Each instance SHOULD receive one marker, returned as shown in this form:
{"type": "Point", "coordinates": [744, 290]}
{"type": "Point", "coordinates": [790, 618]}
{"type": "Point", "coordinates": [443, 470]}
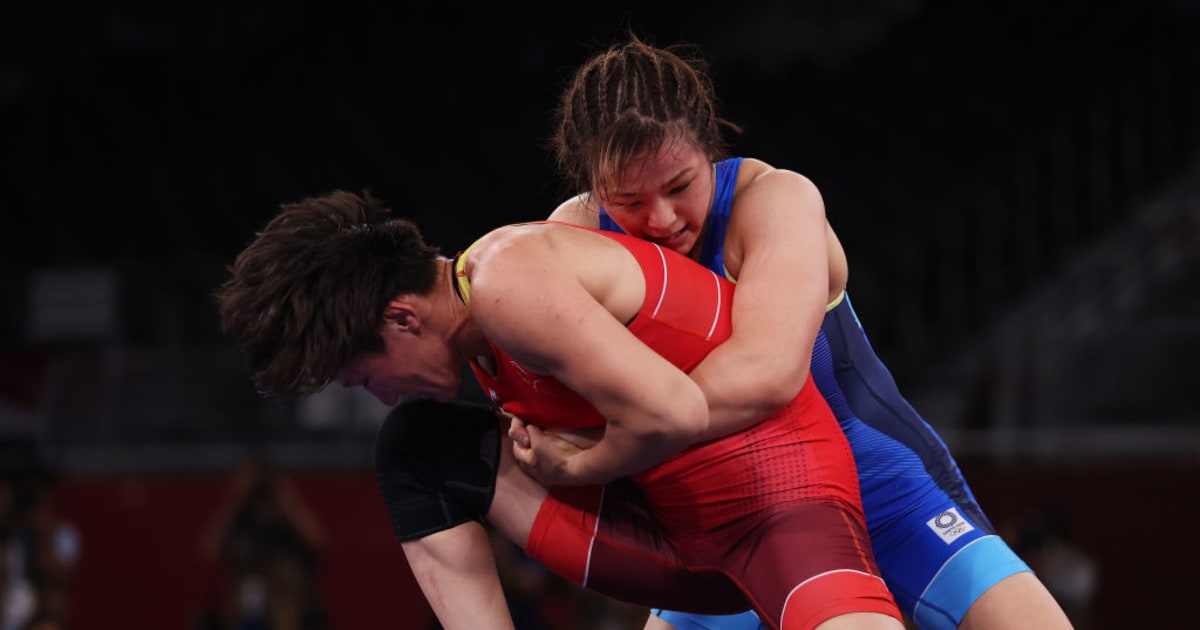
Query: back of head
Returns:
{"type": "Point", "coordinates": [631, 100]}
{"type": "Point", "coordinates": [308, 293]}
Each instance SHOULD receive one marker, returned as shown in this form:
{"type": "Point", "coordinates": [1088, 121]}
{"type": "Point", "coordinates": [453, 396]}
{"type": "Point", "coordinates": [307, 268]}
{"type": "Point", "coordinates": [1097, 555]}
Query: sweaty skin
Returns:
{"type": "Point", "coordinates": [746, 378]}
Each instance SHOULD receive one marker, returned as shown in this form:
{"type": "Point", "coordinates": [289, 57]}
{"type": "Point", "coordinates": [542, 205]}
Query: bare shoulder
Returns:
{"type": "Point", "coordinates": [525, 248]}
{"type": "Point", "coordinates": [506, 243]}
{"type": "Point", "coordinates": [758, 180]}
{"type": "Point", "coordinates": [539, 271]}
{"type": "Point", "coordinates": [754, 170]}
{"type": "Point", "coordinates": [579, 210]}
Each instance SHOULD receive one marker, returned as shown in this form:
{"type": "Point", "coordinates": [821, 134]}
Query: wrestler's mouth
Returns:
{"type": "Point", "coordinates": [674, 241]}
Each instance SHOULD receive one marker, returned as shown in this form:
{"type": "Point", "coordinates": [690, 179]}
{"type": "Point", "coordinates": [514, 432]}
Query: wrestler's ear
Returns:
{"type": "Point", "coordinates": [400, 315]}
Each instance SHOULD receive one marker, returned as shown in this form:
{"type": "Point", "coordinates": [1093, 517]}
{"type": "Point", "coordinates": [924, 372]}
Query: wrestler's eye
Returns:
{"type": "Point", "coordinates": [679, 189]}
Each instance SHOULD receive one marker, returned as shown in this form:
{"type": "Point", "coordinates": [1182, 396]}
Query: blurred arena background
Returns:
{"type": "Point", "coordinates": [1017, 187]}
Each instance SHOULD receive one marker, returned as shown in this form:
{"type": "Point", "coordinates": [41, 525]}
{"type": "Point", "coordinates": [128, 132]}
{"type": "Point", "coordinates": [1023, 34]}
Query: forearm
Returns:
{"type": "Point", "coordinates": [645, 432]}
{"type": "Point", "coordinates": [623, 453]}
{"type": "Point", "coordinates": [457, 573]}
{"type": "Point", "coordinates": [635, 439]}
{"type": "Point", "coordinates": [743, 389]}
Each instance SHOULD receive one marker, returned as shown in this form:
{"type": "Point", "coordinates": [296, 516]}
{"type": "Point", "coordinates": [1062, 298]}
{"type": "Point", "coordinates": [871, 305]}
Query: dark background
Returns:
{"type": "Point", "coordinates": [1016, 186]}
{"type": "Point", "coordinates": [154, 138]}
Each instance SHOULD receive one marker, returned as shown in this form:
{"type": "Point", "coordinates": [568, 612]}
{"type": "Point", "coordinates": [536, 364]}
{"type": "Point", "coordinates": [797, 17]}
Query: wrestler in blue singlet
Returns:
{"type": "Point", "coordinates": [937, 551]}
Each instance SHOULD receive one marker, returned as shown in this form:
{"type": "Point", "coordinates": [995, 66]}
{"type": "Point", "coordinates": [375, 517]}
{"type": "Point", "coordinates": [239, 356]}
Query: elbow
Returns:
{"type": "Point", "coordinates": [779, 394]}
{"type": "Point", "coordinates": [777, 379]}
{"type": "Point", "coordinates": [682, 420]}
{"type": "Point", "coordinates": [784, 385]}
{"type": "Point", "coordinates": [689, 419]}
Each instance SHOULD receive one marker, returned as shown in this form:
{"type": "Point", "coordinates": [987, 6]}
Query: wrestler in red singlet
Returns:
{"type": "Point", "coordinates": [775, 508]}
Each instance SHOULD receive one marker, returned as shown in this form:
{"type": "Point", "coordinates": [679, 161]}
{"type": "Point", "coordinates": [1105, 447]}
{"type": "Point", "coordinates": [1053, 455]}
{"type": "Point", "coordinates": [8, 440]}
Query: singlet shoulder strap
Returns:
{"type": "Point", "coordinates": [461, 284]}
{"type": "Point", "coordinates": [841, 296]}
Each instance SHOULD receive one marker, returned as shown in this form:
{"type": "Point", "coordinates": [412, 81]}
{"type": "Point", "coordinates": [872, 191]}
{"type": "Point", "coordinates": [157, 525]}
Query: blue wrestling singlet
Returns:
{"type": "Point", "coordinates": [937, 550]}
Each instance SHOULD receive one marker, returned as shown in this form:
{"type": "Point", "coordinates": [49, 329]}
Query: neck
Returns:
{"type": "Point", "coordinates": [464, 335]}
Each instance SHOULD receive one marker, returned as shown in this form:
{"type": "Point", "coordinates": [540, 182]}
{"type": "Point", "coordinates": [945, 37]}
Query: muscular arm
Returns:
{"type": "Point", "coordinates": [457, 573]}
{"type": "Point", "coordinates": [779, 232]}
{"type": "Point", "coordinates": [537, 310]}
{"type": "Point", "coordinates": [779, 228]}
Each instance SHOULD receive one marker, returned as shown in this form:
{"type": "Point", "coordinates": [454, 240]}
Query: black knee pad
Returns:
{"type": "Point", "coordinates": [435, 465]}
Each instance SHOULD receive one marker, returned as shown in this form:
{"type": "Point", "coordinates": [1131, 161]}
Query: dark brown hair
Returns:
{"type": "Point", "coordinates": [308, 293]}
{"type": "Point", "coordinates": [630, 100]}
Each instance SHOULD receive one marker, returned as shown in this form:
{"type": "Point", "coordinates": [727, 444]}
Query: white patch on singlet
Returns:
{"type": "Point", "coordinates": [949, 525]}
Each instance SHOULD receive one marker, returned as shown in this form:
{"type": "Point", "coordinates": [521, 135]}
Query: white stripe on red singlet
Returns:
{"type": "Point", "coordinates": [587, 567]}
{"type": "Point", "coordinates": [788, 599]}
{"type": "Point", "coordinates": [662, 294]}
{"type": "Point", "coordinates": [717, 314]}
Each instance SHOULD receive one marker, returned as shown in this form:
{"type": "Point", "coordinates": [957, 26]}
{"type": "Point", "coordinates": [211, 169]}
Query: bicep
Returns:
{"type": "Point", "coordinates": [456, 571]}
{"type": "Point", "coordinates": [783, 280]}
{"type": "Point", "coordinates": [463, 550]}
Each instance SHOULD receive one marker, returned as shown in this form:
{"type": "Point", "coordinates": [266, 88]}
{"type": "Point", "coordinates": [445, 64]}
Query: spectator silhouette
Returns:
{"type": "Point", "coordinates": [38, 552]}
{"type": "Point", "coordinates": [266, 544]}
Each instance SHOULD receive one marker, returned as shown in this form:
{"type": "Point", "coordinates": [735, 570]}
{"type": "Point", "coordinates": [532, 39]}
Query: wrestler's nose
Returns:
{"type": "Point", "coordinates": [660, 216]}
